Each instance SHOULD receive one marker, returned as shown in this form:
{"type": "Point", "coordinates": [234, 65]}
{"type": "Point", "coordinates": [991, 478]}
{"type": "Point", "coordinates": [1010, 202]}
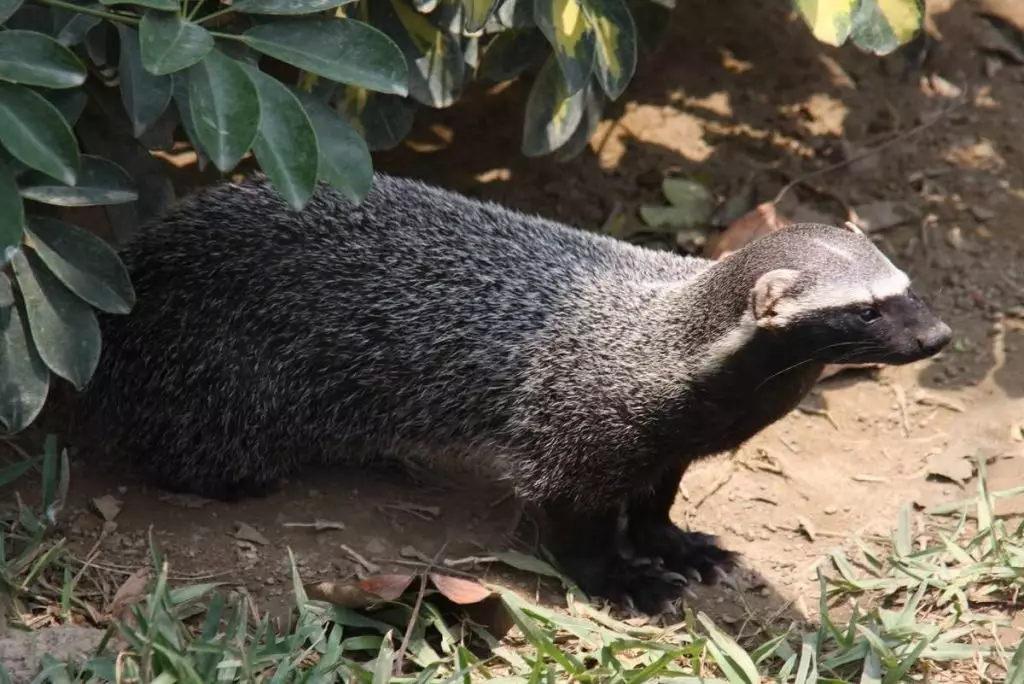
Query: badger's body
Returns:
{"type": "Point", "coordinates": [588, 371]}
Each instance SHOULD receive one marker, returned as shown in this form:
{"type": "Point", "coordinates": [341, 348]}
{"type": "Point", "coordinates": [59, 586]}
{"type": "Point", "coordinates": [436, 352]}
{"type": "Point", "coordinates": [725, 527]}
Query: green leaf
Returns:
{"type": "Point", "coordinates": [85, 263]}
{"type": "Point", "coordinates": [342, 50]}
{"type": "Point", "coordinates": [100, 182]}
{"type": "Point", "coordinates": [615, 34]}
{"type": "Point", "coordinates": [593, 108]}
{"type": "Point", "coordinates": [286, 145]}
{"type": "Point", "coordinates": [7, 8]}
{"type": "Point", "coordinates": [288, 6]}
{"type": "Point", "coordinates": [12, 213]}
{"type": "Point", "coordinates": [70, 103]}
{"type": "Point", "coordinates": [33, 58]}
{"type": "Point", "coordinates": [24, 379]}
{"type": "Point", "coordinates": [475, 14]}
{"type": "Point", "coordinates": [383, 120]}
{"type": "Point", "coordinates": [70, 28]}
{"type": "Point", "coordinates": [225, 108]}
{"type": "Point", "coordinates": [168, 43]}
{"type": "Point", "coordinates": [567, 28]}
{"type": "Point", "coordinates": [64, 328]}
{"type": "Point", "coordinates": [181, 101]}
{"type": "Point", "coordinates": [881, 26]}
{"type": "Point", "coordinates": [145, 96]}
{"type": "Point", "coordinates": [345, 161]}
{"type": "Point", "coordinates": [167, 5]}
{"type": "Point", "coordinates": [437, 69]}
{"type": "Point", "coordinates": [878, 26]}
{"type": "Point", "coordinates": [510, 53]}
{"type": "Point", "coordinates": [829, 20]}
{"type": "Point", "coordinates": [36, 134]}
{"type": "Point", "coordinates": [552, 112]}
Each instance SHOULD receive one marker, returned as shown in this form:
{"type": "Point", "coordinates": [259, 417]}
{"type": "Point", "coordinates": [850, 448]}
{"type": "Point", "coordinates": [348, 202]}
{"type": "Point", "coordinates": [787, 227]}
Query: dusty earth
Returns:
{"type": "Point", "coordinates": [738, 87]}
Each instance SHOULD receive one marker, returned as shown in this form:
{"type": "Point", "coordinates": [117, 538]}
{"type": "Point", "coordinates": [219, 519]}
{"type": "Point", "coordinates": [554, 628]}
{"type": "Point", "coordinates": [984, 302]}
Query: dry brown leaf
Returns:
{"type": "Point", "coordinates": [388, 587]}
{"type": "Point", "coordinates": [107, 506]}
{"type": "Point", "coordinates": [761, 220]}
{"type": "Point", "coordinates": [344, 594]}
{"type": "Point", "coordinates": [248, 533]}
{"type": "Point", "coordinates": [132, 591]}
{"type": "Point", "coordinates": [458, 590]}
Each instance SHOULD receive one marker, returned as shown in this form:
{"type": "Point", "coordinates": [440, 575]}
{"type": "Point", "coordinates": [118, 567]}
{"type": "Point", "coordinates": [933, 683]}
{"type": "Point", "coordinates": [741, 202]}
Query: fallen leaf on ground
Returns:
{"type": "Point", "coordinates": [761, 220]}
{"type": "Point", "coordinates": [132, 591]}
{"type": "Point", "coordinates": [248, 533]}
{"type": "Point", "coordinates": [459, 590]}
{"type": "Point", "coordinates": [107, 506]}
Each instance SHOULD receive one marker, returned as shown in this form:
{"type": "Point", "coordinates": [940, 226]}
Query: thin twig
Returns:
{"type": "Point", "coordinates": [400, 656]}
{"type": "Point", "coordinates": [898, 138]}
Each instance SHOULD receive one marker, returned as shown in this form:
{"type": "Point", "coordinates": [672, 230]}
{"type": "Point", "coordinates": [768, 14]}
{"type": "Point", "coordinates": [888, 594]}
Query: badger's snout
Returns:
{"type": "Point", "coordinates": [934, 338]}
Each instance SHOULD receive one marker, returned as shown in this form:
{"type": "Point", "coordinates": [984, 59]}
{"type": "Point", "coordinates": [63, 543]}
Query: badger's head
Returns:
{"type": "Point", "coordinates": [832, 294]}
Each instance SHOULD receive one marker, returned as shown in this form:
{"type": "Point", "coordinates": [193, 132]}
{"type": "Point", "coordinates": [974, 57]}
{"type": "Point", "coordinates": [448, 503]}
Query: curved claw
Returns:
{"type": "Point", "coordinates": [725, 578]}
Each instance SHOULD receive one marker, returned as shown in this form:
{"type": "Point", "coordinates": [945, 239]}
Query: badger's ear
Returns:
{"type": "Point", "coordinates": [770, 289]}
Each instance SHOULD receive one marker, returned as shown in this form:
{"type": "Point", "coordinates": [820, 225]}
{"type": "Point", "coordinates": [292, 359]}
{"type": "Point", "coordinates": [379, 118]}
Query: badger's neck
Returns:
{"type": "Point", "coordinates": [733, 379]}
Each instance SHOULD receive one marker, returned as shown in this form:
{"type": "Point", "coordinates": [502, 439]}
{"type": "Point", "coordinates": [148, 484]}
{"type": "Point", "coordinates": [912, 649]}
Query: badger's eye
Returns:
{"type": "Point", "coordinates": [868, 314]}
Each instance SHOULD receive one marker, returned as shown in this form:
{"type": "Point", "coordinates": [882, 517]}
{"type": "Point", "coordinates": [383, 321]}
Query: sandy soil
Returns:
{"type": "Point", "coordinates": [738, 85]}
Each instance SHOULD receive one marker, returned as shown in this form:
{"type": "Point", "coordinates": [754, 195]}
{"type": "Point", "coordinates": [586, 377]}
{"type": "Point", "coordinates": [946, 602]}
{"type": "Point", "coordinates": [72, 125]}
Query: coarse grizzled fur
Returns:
{"type": "Point", "coordinates": [587, 371]}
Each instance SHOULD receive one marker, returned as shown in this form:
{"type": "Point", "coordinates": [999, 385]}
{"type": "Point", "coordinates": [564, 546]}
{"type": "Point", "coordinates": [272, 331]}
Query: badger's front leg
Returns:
{"type": "Point", "coordinates": [651, 532]}
{"type": "Point", "coordinates": [585, 544]}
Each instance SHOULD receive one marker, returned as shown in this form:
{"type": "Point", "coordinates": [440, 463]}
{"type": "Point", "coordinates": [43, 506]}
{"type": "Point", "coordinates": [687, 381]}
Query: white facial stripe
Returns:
{"type": "Point", "coordinates": [837, 295]}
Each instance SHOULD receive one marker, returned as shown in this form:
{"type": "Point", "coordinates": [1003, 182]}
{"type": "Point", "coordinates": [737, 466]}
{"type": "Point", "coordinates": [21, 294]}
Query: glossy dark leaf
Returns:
{"type": "Point", "coordinates": [64, 327]}
{"type": "Point", "coordinates": [70, 28]}
{"type": "Point", "coordinates": [167, 5]}
{"type": "Point", "coordinates": [509, 53]}
{"type": "Point", "coordinates": [593, 107]}
{"type": "Point", "coordinates": [287, 6]}
{"type": "Point", "coordinates": [285, 146]}
{"type": "Point", "coordinates": [12, 213]}
{"type": "Point", "coordinates": [383, 120]}
{"type": "Point", "coordinates": [512, 14]}
{"type": "Point", "coordinates": [880, 27]}
{"type": "Point", "coordinates": [185, 112]}
{"type": "Point", "coordinates": [24, 378]}
{"type": "Point", "coordinates": [342, 50]}
{"type": "Point", "coordinates": [552, 112]}
{"type": "Point", "coordinates": [100, 182]}
{"type": "Point", "coordinates": [565, 25]}
{"type": "Point", "coordinates": [615, 44]}
{"type": "Point", "coordinates": [85, 263]}
{"type": "Point", "coordinates": [437, 70]}
{"type": "Point", "coordinates": [6, 293]}
{"type": "Point", "coordinates": [7, 8]}
{"type": "Point", "coordinates": [32, 58]}
{"type": "Point", "coordinates": [144, 95]}
{"type": "Point", "coordinates": [168, 43]}
{"type": "Point", "coordinates": [475, 14]}
{"type": "Point", "coordinates": [345, 161]}
{"type": "Point", "coordinates": [70, 103]}
{"type": "Point", "coordinates": [35, 133]}
{"type": "Point", "coordinates": [225, 108]}
{"type": "Point", "coordinates": [96, 44]}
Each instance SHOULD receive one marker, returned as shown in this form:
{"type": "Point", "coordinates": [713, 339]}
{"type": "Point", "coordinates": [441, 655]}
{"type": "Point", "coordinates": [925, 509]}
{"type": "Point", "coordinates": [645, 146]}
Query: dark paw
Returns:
{"type": "Point", "coordinates": [640, 583]}
{"type": "Point", "coordinates": [694, 555]}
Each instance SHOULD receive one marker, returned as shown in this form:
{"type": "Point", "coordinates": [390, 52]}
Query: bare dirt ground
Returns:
{"type": "Point", "coordinates": [738, 85]}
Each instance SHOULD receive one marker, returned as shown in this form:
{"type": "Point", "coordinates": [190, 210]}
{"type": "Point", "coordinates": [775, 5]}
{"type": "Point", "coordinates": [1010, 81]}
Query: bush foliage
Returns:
{"type": "Point", "coordinates": [309, 87]}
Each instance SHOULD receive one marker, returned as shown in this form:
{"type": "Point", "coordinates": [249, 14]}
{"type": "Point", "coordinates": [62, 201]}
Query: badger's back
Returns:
{"type": "Point", "coordinates": [264, 337]}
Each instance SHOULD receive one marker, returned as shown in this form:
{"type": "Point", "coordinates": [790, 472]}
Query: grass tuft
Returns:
{"type": "Point", "coordinates": [925, 605]}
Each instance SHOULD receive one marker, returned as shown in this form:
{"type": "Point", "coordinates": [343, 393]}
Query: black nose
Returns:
{"type": "Point", "coordinates": [932, 341]}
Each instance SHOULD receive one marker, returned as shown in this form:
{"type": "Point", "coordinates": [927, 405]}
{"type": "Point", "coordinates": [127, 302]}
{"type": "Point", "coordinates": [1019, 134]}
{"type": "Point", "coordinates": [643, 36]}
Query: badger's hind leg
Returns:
{"type": "Point", "coordinates": [585, 545]}
{"type": "Point", "coordinates": [651, 532]}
